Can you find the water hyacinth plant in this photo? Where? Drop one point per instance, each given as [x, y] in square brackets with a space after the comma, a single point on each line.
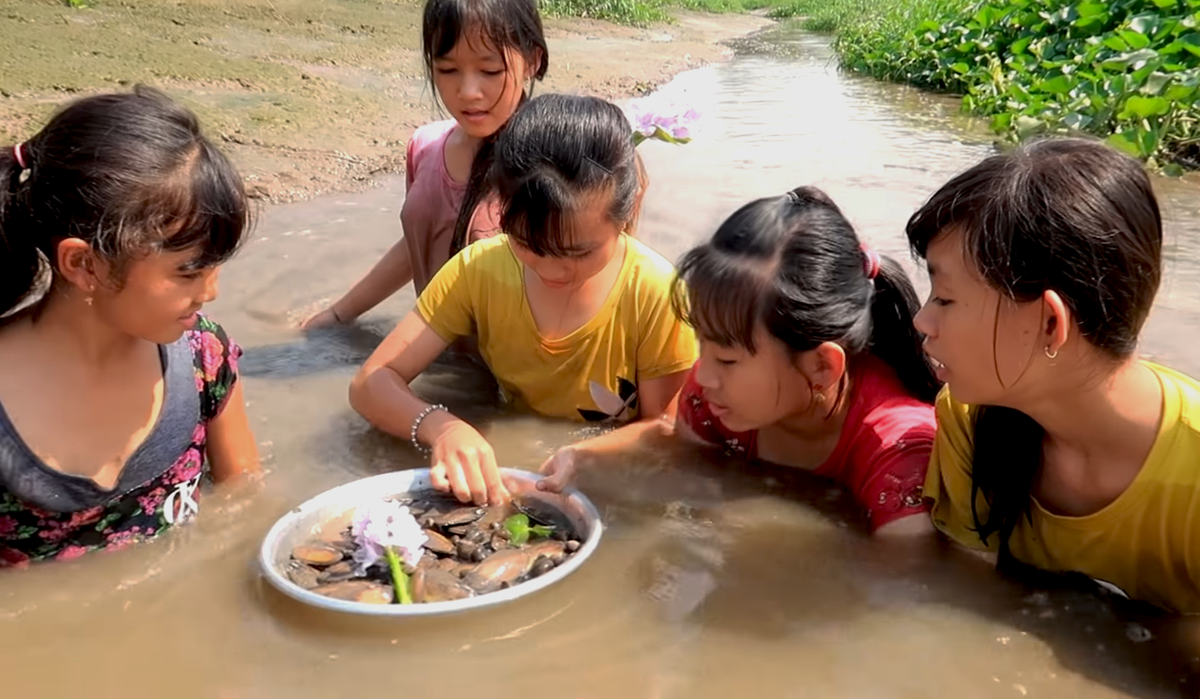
[667, 116]
[520, 530]
[386, 529]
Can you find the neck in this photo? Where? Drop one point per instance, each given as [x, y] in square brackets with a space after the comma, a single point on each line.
[471, 143]
[74, 330]
[820, 421]
[1096, 417]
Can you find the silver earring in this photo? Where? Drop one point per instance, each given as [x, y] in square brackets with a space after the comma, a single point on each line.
[1050, 354]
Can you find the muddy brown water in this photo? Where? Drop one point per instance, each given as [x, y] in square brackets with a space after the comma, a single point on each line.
[713, 579]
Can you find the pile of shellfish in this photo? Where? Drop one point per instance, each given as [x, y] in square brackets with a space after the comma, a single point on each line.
[469, 551]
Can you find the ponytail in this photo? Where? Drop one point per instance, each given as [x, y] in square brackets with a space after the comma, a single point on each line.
[894, 338]
[479, 187]
[794, 265]
[19, 262]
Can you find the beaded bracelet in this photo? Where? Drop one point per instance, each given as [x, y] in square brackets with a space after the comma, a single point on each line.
[412, 436]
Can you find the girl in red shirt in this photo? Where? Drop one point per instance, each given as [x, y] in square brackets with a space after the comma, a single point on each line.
[808, 359]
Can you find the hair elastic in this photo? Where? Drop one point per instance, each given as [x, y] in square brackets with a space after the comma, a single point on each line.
[870, 262]
[19, 156]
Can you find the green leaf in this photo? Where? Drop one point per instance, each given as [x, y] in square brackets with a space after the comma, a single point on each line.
[1091, 9]
[1165, 4]
[1116, 43]
[1144, 107]
[960, 68]
[1057, 86]
[1134, 39]
[518, 528]
[1124, 142]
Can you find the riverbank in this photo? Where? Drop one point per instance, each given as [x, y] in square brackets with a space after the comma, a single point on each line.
[1126, 71]
[307, 96]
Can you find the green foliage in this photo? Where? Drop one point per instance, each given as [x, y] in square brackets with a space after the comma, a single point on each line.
[635, 12]
[520, 530]
[1126, 70]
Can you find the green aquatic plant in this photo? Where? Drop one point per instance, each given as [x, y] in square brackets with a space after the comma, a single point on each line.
[520, 530]
[1124, 70]
[1127, 70]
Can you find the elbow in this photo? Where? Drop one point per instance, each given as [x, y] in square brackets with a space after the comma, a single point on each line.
[360, 392]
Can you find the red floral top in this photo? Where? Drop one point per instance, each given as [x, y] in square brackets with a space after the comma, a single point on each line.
[883, 451]
[48, 514]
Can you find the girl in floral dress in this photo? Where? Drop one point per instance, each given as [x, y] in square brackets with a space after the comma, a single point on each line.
[118, 398]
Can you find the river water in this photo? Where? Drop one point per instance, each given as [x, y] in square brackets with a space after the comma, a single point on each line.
[713, 579]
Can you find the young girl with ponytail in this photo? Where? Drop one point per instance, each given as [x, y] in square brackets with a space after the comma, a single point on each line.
[808, 358]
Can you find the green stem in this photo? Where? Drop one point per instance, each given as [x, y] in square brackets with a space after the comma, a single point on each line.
[399, 579]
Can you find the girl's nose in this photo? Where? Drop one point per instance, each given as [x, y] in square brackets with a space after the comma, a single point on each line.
[924, 322]
[471, 86]
[705, 376]
[211, 287]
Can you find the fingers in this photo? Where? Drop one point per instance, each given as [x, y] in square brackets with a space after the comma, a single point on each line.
[496, 492]
[439, 477]
[559, 472]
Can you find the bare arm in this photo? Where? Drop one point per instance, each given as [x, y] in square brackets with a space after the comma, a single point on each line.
[913, 525]
[231, 448]
[392, 272]
[380, 391]
[462, 460]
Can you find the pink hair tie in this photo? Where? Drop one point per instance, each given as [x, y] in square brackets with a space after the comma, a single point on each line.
[20, 158]
[870, 262]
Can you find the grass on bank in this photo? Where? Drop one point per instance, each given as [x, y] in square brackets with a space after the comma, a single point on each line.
[638, 12]
[1125, 70]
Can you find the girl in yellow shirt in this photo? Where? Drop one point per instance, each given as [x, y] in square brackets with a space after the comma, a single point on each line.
[1056, 444]
[573, 316]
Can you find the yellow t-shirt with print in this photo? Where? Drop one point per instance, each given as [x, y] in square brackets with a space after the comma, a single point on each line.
[1146, 542]
[590, 374]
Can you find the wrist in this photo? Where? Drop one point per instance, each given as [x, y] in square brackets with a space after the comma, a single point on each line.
[340, 315]
[429, 425]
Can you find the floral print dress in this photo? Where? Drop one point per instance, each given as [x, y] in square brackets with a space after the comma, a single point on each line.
[47, 514]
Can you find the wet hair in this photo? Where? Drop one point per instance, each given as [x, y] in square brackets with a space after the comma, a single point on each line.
[794, 265]
[1069, 215]
[130, 174]
[558, 152]
[508, 26]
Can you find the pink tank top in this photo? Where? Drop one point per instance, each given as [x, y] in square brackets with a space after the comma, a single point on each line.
[432, 202]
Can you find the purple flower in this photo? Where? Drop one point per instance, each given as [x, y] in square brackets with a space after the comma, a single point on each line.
[382, 523]
[668, 116]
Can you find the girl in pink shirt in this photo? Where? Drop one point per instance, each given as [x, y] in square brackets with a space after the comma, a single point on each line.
[479, 56]
[808, 359]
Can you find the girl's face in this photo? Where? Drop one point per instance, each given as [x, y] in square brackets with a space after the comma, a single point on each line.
[593, 242]
[159, 298]
[478, 91]
[751, 391]
[986, 347]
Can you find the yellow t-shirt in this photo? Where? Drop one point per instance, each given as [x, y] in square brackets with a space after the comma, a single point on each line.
[592, 373]
[1146, 542]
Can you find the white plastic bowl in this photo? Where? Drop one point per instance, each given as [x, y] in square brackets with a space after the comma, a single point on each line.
[300, 524]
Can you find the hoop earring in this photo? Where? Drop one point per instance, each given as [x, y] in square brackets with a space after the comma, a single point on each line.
[818, 396]
[1049, 354]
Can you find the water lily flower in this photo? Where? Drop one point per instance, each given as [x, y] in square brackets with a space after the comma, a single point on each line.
[668, 116]
[386, 529]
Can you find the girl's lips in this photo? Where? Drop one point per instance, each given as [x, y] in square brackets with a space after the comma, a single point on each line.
[939, 369]
[474, 116]
[717, 409]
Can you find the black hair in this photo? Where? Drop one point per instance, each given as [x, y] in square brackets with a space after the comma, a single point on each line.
[508, 25]
[556, 153]
[794, 264]
[1069, 215]
[130, 174]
